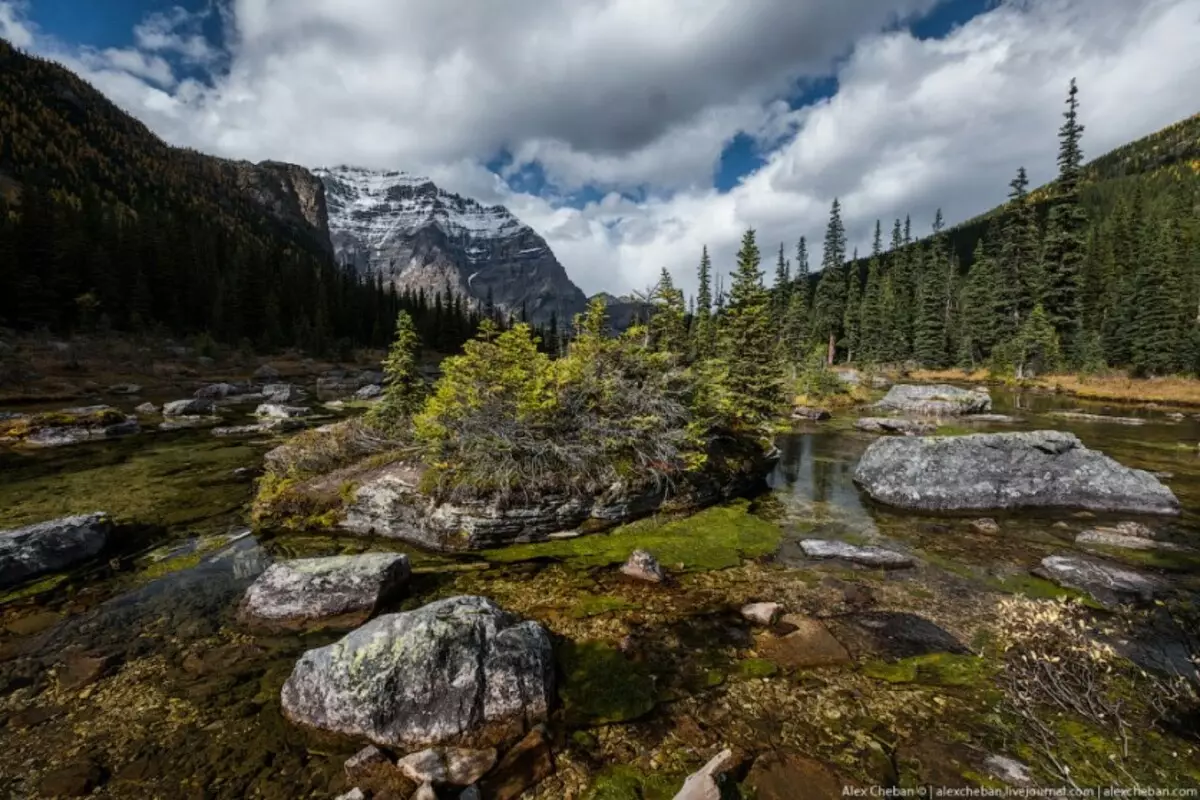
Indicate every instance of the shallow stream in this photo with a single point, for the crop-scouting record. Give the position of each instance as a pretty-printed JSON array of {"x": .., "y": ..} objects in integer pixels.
[{"x": 131, "y": 676}]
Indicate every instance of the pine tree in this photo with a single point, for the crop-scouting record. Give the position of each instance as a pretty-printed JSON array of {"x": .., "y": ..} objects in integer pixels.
[
  {"x": 829, "y": 303},
  {"x": 403, "y": 388},
  {"x": 979, "y": 323},
  {"x": 929, "y": 342},
  {"x": 667, "y": 329},
  {"x": 801, "y": 277},
  {"x": 782, "y": 287},
  {"x": 748, "y": 341},
  {"x": 1156, "y": 329},
  {"x": 870, "y": 343},
  {"x": 1066, "y": 243},
  {"x": 852, "y": 318},
  {"x": 702, "y": 327}
]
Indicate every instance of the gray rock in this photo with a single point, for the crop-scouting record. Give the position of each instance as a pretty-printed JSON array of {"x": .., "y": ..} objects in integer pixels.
[
  {"x": 189, "y": 408},
  {"x": 448, "y": 766},
  {"x": 34, "y": 550},
  {"x": 811, "y": 414},
  {"x": 470, "y": 793},
  {"x": 344, "y": 590},
  {"x": 75, "y": 434},
  {"x": 460, "y": 671},
  {"x": 369, "y": 392},
  {"x": 147, "y": 408},
  {"x": 353, "y": 794},
  {"x": 705, "y": 783},
  {"x": 266, "y": 373},
  {"x": 908, "y": 427},
  {"x": 994, "y": 418},
  {"x": 762, "y": 613},
  {"x": 938, "y": 400},
  {"x": 256, "y": 429},
  {"x": 1009, "y": 770},
  {"x": 424, "y": 792},
  {"x": 643, "y": 567},
  {"x": 277, "y": 411},
  {"x": 985, "y": 525},
  {"x": 281, "y": 393},
  {"x": 1135, "y": 529},
  {"x": 184, "y": 422},
  {"x": 1113, "y": 537},
  {"x": 218, "y": 391},
  {"x": 124, "y": 388},
  {"x": 365, "y": 762},
  {"x": 1107, "y": 583},
  {"x": 867, "y": 556},
  {"x": 1040, "y": 469},
  {"x": 1079, "y": 416}
]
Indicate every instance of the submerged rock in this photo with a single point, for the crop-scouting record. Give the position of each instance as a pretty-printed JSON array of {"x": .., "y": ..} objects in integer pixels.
[
  {"x": 266, "y": 372},
  {"x": 50, "y": 546},
  {"x": 908, "y": 427},
  {"x": 281, "y": 393},
  {"x": 460, "y": 671},
  {"x": 198, "y": 406},
  {"x": 867, "y": 556},
  {"x": 939, "y": 400},
  {"x": 67, "y": 426},
  {"x": 1108, "y": 584},
  {"x": 124, "y": 388},
  {"x": 1080, "y": 416},
  {"x": 186, "y": 422},
  {"x": 277, "y": 411},
  {"x": 643, "y": 567},
  {"x": 1113, "y": 537},
  {"x": 341, "y": 590},
  {"x": 448, "y": 766},
  {"x": 1039, "y": 469},
  {"x": 218, "y": 391},
  {"x": 253, "y": 429},
  {"x": 75, "y": 434},
  {"x": 1003, "y": 419},
  {"x": 805, "y": 643}
]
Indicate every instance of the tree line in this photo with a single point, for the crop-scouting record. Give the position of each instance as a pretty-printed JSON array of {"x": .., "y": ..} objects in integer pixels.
[{"x": 1080, "y": 275}]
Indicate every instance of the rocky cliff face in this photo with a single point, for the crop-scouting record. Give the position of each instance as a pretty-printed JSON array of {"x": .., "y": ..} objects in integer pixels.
[
  {"x": 290, "y": 193},
  {"x": 418, "y": 236}
]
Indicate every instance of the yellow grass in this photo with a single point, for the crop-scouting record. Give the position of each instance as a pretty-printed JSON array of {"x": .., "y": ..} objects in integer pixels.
[{"x": 1115, "y": 387}]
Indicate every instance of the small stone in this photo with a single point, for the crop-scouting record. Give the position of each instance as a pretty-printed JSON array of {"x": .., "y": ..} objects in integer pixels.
[
  {"x": 523, "y": 767},
  {"x": 278, "y": 411},
  {"x": 808, "y": 644},
  {"x": 353, "y": 794},
  {"x": 217, "y": 391},
  {"x": 80, "y": 669},
  {"x": 643, "y": 567},
  {"x": 811, "y": 414},
  {"x": 198, "y": 406},
  {"x": 705, "y": 784},
  {"x": 426, "y": 792},
  {"x": 1009, "y": 770},
  {"x": 365, "y": 762},
  {"x": 985, "y": 525},
  {"x": 147, "y": 408},
  {"x": 73, "y": 780},
  {"x": 867, "y": 556},
  {"x": 762, "y": 613},
  {"x": 1112, "y": 537},
  {"x": 448, "y": 766}
]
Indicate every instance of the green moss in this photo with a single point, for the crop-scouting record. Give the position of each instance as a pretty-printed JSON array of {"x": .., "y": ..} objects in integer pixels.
[
  {"x": 623, "y": 782},
  {"x": 1039, "y": 589},
  {"x": 716, "y": 538},
  {"x": 592, "y": 605},
  {"x": 601, "y": 685},
  {"x": 953, "y": 430},
  {"x": 935, "y": 669},
  {"x": 40, "y": 586},
  {"x": 23, "y": 427},
  {"x": 757, "y": 668},
  {"x": 1168, "y": 560},
  {"x": 287, "y": 503}
]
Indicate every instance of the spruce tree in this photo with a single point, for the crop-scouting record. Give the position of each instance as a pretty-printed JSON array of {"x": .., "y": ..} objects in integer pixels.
[
  {"x": 702, "y": 326},
  {"x": 667, "y": 328},
  {"x": 980, "y": 324},
  {"x": 852, "y": 318},
  {"x": 871, "y": 332},
  {"x": 782, "y": 288},
  {"x": 829, "y": 303},
  {"x": 929, "y": 342},
  {"x": 1156, "y": 330},
  {"x": 748, "y": 341},
  {"x": 1066, "y": 230},
  {"x": 404, "y": 390},
  {"x": 801, "y": 277}
]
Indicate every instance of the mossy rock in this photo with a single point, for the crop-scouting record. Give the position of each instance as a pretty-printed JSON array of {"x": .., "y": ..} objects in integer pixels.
[
  {"x": 623, "y": 782},
  {"x": 601, "y": 685},
  {"x": 1040, "y": 589},
  {"x": 934, "y": 669},
  {"x": 593, "y": 605},
  {"x": 716, "y": 538},
  {"x": 29, "y": 590},
  {"x": 757, "y": 668}
]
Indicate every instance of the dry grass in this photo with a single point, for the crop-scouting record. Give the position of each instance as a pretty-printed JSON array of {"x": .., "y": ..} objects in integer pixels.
[{"x": 1116, "y": 387}]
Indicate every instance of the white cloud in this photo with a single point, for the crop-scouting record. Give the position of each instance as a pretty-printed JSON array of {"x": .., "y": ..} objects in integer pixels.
[
  {"x": 616, "y": 94},
  {"x": 13, "y": 25}
]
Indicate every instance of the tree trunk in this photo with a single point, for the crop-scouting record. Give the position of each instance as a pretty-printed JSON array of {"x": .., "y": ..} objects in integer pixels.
[{"x": 832, "y": 350}]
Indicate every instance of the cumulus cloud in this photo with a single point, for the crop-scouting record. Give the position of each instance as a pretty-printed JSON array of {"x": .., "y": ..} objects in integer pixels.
[{"x": 616, "y": 95}]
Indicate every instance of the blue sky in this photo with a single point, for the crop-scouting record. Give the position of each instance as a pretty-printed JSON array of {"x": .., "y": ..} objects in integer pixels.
[{"x": 631, "y": 135}]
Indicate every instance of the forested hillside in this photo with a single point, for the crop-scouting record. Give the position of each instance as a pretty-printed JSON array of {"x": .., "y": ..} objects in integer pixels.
[
  {"x": 103, "y": 226},
  {"x": 1099, "y": 268}
]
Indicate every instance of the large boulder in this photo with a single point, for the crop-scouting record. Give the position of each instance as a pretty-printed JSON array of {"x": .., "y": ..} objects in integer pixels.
[
  {"x": 460, "y": 671},
  {"x": 938, "y": 400},
  {"x": 333, "y": 591},
  {"x": 1038, "y": 469},
  {"x": 281, "y": 393},
  {"x": 67, "y": 426},
  {"x": 218, "y": 391},
  {"x": 907, "y": 427},
  {"x": 49, "y": 546}
]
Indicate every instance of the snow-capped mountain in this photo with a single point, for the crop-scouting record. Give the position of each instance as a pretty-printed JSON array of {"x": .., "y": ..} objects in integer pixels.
[{"x": 418, "y": 236}]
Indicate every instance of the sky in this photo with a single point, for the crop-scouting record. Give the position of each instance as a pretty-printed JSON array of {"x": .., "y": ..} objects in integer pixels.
[{"x": 631, "y": 133}]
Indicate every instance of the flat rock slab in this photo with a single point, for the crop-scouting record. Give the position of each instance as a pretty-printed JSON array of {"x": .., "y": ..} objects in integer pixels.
[
  {"x": 784, "y": 775},
  {"x": 1000, "y": 419},
  {"x": 34, "y": 550},
  {"x": 197, "y": 406},
  {"x": 1080, "y": 416},
  {"x": 338, "y": 590},
  {"x": 1108, "y": 584},
  {"x": 906, "y": 427},
  {"x": 1039, "y": 469},
  {"x": 893, "y": 634},
  {"x": 277, "y": 411},
  {"x": 460, "y": 671},
  {"x": 806, "y": 643},
  {"x": 1111, "y": 537},
  {"x": 939, "y": 400},
  {"x": 448, "y": 766},
  {"x": 867, "y": 556}
]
